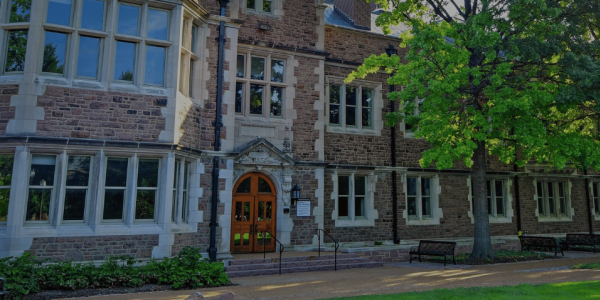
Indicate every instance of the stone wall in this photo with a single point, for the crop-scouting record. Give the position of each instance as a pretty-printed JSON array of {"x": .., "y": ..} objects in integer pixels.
[
  {"x": 7, "y": 112},
  {"x": 81, "y": 113},
  {"x": 354, "y": 46},
  {"x": 304, "y": 132},
  {"x": 93, "y": 248},
  {"x": 304, "y": 227},
  {"x": 191, "y": 127}
]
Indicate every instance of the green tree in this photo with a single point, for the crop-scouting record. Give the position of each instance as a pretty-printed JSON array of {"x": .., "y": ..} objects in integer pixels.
[{"x": 518, "y": 79}]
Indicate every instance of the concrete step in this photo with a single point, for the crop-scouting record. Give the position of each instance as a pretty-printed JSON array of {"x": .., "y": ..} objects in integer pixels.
[
  {"x": 287, "y": 259},
  {"x": 298, "y": 263},
  {"x": 325, "y": 267}
]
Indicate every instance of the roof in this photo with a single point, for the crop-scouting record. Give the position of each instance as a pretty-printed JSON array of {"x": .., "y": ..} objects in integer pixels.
[{"x": 335, "y": 17}]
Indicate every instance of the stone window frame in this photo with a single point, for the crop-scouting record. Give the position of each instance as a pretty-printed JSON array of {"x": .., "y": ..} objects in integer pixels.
[
  {"x": 371, "y": 213},
  {"x": 436, "y": 210},
  {"x": 246, "y": 81},
  {"x": 558, "y": 217},
  {"x": 376, "y": 87},
  {"x": 189, "y": 64},
  {"x": 507, "y": 195},
  {"x": 7, "y": 187},
  {"x": 595, "y": 193}
]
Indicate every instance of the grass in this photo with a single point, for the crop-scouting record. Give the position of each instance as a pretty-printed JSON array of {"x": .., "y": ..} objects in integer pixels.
[
  {"x": 587, "y": 266},
  {"x": 567, "y": 290}
]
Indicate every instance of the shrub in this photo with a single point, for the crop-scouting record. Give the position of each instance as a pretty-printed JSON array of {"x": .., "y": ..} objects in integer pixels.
[{"x": 26, "y": 274}]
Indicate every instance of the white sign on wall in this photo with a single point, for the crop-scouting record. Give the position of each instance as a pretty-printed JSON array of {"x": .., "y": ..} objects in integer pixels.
[{"x": 303, "y": 208}]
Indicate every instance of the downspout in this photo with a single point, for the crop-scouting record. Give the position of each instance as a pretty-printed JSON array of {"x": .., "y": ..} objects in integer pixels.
[
  {"x": 212, "y": 250},
  {"x": 588, "y": 200},
  {"x": 517, "y": 199},
  {"x": 390, "y": 51}
]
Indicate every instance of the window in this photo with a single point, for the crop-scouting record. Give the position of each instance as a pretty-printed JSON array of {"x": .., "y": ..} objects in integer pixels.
[
  {"x": 264, "y": 6},
  {"x": 552, "y": 199},
  {"x": 260, "y": 88},
  {"x": 147, "y": 188},
  {"x": 6, "y": 168},
  {"x": 180, "y": 192},
  {"x": 595, "y": 195},
  {"x": 20, "y": 11},
  {"x": 353, "y": 195},
  {"x": 499, "y": 200},
  {"x": 422, "y": 200},
  {"x": 15, "y": 51},
  {"x": 41, "y": 188},
  {"x": 76, "y": 188},
  {"x": 353, "y": 108},
  {"x": 115, "y": 187},
  {"x": 189, "y": 57},
  {"x": 408, "y": 129},
  {"x": 54, "y": 52}
]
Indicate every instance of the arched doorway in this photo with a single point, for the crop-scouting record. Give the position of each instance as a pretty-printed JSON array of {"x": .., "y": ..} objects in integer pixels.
[{"x": 253, "y": 212}]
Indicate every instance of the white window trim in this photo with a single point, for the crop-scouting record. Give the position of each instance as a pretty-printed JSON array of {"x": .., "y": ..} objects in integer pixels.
[
  {"x": 376, "y": 109},
  {"x": 436, "y": 211},
  {"x": 371, "y": 213},
  {"x": 267, "y": 83},
  {"x": 508, "y": 200},
  {"x": 570, "y": 211},
  {"x": 590, "y": 187}
]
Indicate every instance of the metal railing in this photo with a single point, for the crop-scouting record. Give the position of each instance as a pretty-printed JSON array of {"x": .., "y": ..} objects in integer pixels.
[
  {"x": 281, "y": 247},
  {"x": 337, "y": 245}
]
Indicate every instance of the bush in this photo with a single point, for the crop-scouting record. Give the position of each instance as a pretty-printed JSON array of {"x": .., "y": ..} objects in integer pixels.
[{"x": 26, "y": 274}]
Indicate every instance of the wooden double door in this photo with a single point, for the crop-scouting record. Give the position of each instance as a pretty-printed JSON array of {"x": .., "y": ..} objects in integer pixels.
[{"x": 253, "y": 216}]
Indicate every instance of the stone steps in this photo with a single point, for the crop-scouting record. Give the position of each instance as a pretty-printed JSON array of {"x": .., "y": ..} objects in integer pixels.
[{"x": 257, "y": 267}]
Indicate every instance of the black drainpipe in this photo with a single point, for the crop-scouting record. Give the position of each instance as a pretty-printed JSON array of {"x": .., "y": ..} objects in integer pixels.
[
  {"x": 517, "y": 199},
  {"x": 212, "y": 250},
  {"x": 588, "y": 200},
  {"x": 390, "y": 51}
]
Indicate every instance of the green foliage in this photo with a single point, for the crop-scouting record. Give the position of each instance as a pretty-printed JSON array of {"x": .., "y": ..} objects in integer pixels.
[
  {"x": 586, "y": 266},
  {"x": 565, "y": 290},
  {"x": 26, "y": 274}
]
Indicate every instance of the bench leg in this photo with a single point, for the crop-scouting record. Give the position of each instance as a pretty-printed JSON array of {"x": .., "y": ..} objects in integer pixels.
[
  {"x": 410, "y": 258},
  {"x": 420, "y": 258},
  {"x": 454, "y": 260},
  {"x": 444, "y": 260}
]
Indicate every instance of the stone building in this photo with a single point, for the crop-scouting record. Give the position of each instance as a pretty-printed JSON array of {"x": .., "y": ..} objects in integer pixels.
[{"x": 108, "y": 112}]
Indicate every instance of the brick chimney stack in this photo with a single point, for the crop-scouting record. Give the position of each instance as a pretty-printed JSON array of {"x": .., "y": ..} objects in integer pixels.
[{"x": 358, "y": 11}]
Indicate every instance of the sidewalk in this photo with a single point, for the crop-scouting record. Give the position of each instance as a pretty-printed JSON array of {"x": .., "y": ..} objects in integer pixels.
[{"x": 392, "y": 278}]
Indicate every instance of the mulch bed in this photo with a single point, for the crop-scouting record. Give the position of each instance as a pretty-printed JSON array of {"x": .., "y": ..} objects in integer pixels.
[
  {"x": 57, "y": 294},
  {"x": 501, "y": 260}
]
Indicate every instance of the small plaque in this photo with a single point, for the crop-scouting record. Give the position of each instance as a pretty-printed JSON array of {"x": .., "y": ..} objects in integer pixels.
[{"x": 303, "y": 208}]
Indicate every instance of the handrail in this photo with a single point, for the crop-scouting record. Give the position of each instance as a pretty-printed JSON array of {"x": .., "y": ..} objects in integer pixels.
[
  {"x": 337, "y": 245},
  {"x": 281, "y": 247}
]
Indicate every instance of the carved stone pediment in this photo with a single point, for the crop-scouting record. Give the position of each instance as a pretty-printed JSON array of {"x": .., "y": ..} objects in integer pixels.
[{"x": 262, "y": 152}]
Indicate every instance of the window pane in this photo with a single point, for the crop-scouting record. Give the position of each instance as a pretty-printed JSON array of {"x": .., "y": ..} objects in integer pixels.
[
  {"x": 4, "y": 198},
  {"x": 412, "y": 206},
  {"x": 89, "y": 53},
  {"x": 360, "y": 185},
  {"x": 155, "y": 64},
  {"x": 426, "y": 186},
  {"x": 144, "y": 205},
  {"x": 246, "y": 211},
  {"x": 426, "y": 206},
  {"x": 15, "y": 52},
  {"x": 359, "y": 207},
  {"x": 596, "y": 197},
  {"x": 351, "y": 116},
  {"x": 158, "y": 21},
  {"x": 74, "y": 205},
  {"x": 116, "y": 172},
  {"x": 78, "y": 170},
  {"x": 367, "y": 98},
  {"x": 334, "y": 94},
  {"x": 191, "y": 79},
  {"x": 113, "y": 204},
  {"x": 343, "y": 185},
  {"x": 239, "y": 96},
  {"x": 367, "y": 117},
  {"x": 20, "y": 11},
  {"x": 334, "y": 114},
  {"x": 238, "y": 212},
  {"x": 277, "y": 70},
  {"x": 334, "y": 98},
  {"x": 54, "y": 52},
  {"x": 38, "y": 205},
  {"x": 412, "y": 186},
  {"x": 551, "y": 198},
  {"x": 128, "y": 19},
  {"x": 148, "y": 173},
  {"x": 251, "y": 4},
  {"x": 90, "y": 18},
  {"x": 350, "y": 95},
  {"x": 124, "y": 61},
  {"x": 256, "y": 99},
  {"x": 267, "y": 6},
  {"x": 6, "y": 166},
  {"x": 244, "y": 187},
  {"x": 257, "y": 68},
  {"x": 269, "y": 212},
  {"x": 276, "y": 99},
  {"x": 561, "y": 198},
  {"x": 342, "y": 206},
  {"x": 263, "y": 186},
  {"x": 194, "y": 39},
  {"x": 540, "y": 194},
  {"x": 184, "y": 207},
  {"x": 59, "y": 12},
  {"x": 42, "y": 170},
  {"x": 241, "y": 66},
  {"x": 261, "y": 211}
]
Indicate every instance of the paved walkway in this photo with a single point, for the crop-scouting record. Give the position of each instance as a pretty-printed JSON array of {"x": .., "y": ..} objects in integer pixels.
[{"x": 392, "y": 278}]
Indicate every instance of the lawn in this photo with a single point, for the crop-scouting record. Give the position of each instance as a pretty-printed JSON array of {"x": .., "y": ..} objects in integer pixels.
[
  {"x": 567, "y": 290},
  {"x": 587, "y": 266}
]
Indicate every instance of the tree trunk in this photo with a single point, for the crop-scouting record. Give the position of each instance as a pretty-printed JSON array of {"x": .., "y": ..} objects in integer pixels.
[{"x": 482, "y": 244}]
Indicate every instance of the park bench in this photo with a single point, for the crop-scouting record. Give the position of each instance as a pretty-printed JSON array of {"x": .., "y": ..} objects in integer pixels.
[
  {"x": 433, "y": 248},
  {"x": 545, "y": 242},
  {"x": 3, "y": 292},
  {"x": 581, "y": 239}
]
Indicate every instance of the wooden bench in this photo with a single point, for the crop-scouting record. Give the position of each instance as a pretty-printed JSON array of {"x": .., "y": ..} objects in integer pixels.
[
  {"x": 433, "y": 248},
  {"x": 3, "y": 292},
  {"x": 581, "y": 239},
  {"x": 528, "y": 241}
]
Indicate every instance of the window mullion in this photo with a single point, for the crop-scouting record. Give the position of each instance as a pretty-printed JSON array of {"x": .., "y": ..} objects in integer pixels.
[
  {"x": 351, "y": 211},
  {"x": 419, "y": 201}
]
